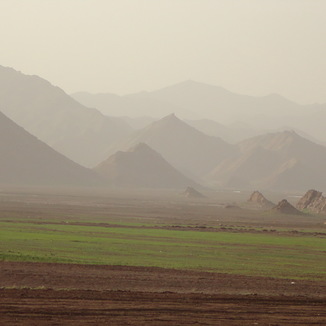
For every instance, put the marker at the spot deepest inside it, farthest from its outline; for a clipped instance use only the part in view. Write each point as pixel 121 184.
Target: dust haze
pixel 158 155
pixel 250 47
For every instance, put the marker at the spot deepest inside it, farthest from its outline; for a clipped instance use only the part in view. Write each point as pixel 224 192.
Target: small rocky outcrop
pixel 191 192
pixel 258 199
pixel 286 208
pixel 313 201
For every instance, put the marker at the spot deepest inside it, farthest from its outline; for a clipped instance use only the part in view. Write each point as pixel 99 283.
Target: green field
pixel 275 255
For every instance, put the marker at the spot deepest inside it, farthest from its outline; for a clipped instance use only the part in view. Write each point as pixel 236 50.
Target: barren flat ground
pixel 114 259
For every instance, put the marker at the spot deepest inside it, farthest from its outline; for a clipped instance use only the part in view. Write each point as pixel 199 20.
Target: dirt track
pixel 59 294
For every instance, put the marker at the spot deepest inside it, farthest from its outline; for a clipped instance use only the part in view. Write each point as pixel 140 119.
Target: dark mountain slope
pixel 25 160
pixel 46 111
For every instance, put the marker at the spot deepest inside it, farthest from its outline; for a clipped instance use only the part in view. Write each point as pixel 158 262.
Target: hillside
pixel 25 160
pixel 141 167
pixel 279 161
pixel 232 133
pixel 46 111
pixel 183 146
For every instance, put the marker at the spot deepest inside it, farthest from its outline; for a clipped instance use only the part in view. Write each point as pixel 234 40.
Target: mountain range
pixel 47 112
pixel 168 152
pixel 278 161
pixel 189 150
pixel 191 100
pixel 199 101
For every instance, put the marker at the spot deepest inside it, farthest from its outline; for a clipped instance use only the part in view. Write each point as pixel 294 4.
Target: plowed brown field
pixel 64 294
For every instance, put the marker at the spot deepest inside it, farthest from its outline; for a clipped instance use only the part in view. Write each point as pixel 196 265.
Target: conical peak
pixel 170 120
pixel 259 199
pixel 283 203
pixel 256 196
pixel 171 117
pixel 310 199
pixel 285 207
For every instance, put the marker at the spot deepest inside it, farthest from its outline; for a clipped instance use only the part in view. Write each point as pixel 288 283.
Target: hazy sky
pixel 254 47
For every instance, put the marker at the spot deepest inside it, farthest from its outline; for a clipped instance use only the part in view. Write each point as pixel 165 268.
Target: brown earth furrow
pixel 41 307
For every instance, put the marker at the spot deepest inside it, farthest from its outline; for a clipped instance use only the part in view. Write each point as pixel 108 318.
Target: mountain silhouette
pixel 25 160
pixel 193 100
pixel 279 161
pixel 183 146
pixel 46 111
pixel 142 167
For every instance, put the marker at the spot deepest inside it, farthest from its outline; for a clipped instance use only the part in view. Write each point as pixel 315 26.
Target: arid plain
pixel 157 258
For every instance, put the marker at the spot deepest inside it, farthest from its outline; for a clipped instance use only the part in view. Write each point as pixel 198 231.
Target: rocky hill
pixel 313 201
pixel 257 199
pixel 286 208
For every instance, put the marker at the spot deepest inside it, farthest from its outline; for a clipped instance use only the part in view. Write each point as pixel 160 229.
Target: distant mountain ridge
pixel 197 101
pixel 214 101
pixel 279 161
pixel 193 100
pixel 184 147
pixel 46 111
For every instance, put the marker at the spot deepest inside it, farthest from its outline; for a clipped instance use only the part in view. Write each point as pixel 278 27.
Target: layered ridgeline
pixel 46 111
pixel 193 100
pixel 232 133
pixel 25 160
pixel 184 147
pixel 141 167
pixel 133 106
pixel 279 161
pixel 190 99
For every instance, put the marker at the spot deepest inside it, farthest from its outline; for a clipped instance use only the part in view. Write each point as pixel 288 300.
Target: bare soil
pixel 67 294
